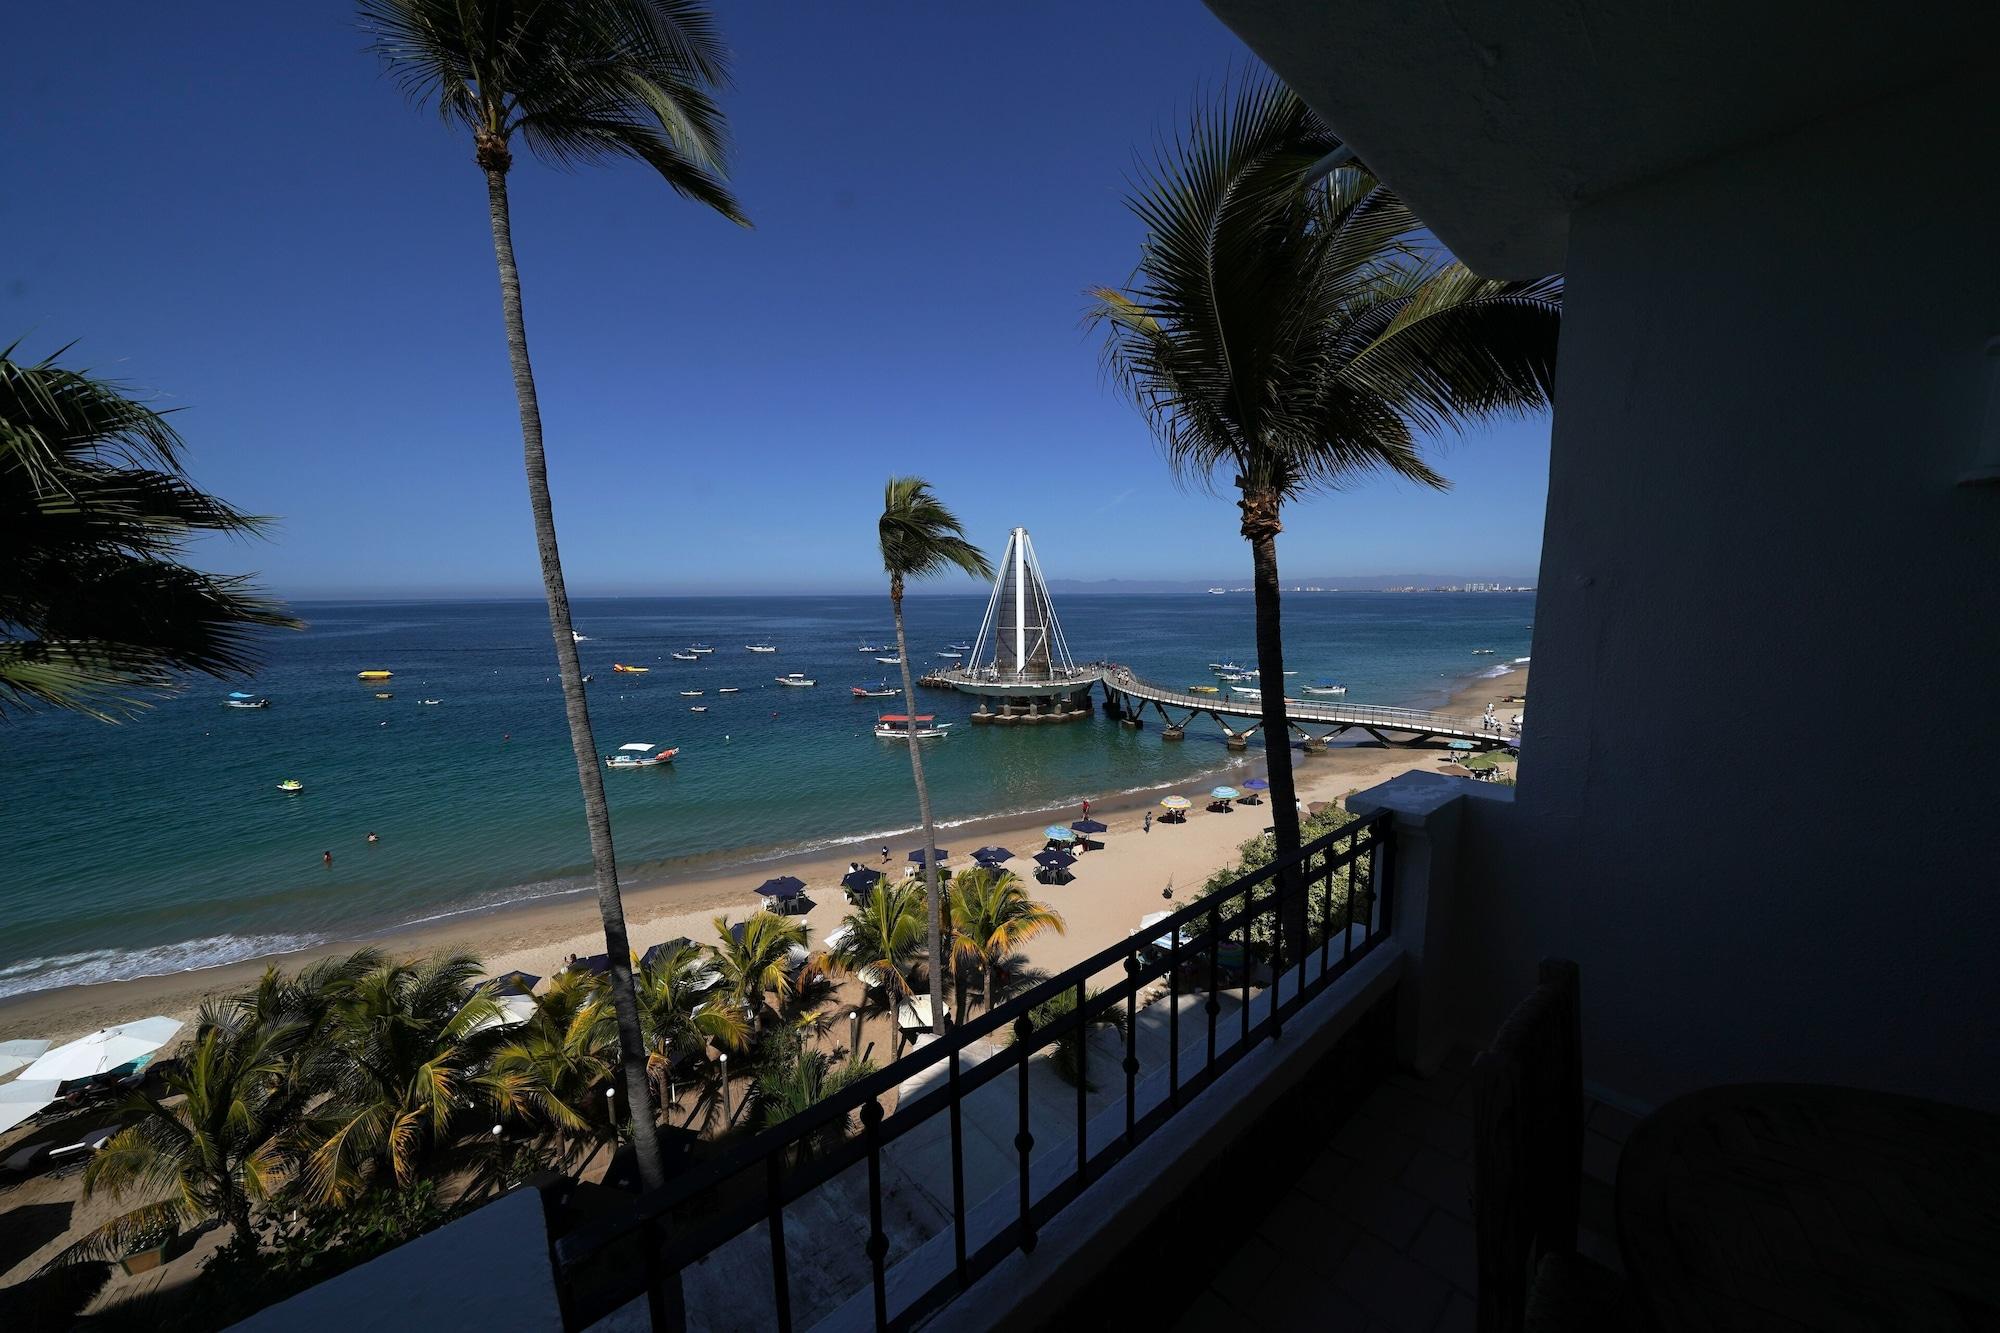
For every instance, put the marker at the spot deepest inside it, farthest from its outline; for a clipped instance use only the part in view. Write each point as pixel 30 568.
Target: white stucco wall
pixel 1761 798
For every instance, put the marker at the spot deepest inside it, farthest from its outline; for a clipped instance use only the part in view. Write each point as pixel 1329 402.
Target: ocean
pixel 162 843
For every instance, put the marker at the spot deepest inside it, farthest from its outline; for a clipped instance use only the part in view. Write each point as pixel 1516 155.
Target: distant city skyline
pixel 722 405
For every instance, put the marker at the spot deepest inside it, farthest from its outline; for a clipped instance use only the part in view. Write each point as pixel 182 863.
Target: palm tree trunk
pixel 992 978
pixel 597 818
pixel 932 899
pixel 1261 527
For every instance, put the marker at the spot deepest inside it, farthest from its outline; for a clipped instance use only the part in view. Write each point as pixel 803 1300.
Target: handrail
pixel 1121 680
pixel 1267 900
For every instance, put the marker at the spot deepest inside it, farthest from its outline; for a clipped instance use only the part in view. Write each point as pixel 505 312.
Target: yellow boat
pixel 637 671
pixel 373 675
pixel 1203 689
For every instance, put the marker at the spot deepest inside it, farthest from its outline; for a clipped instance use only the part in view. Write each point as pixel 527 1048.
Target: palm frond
pixel 920 538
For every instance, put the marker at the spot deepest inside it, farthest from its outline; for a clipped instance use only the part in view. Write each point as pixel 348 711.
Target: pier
pixel 1313 723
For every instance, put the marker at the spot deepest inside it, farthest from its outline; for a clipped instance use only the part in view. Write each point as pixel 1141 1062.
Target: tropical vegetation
pixel 920 538
pixel 578 83
pixel 98 608
pixel 992 916
pixel 1284 335
pixel 882 938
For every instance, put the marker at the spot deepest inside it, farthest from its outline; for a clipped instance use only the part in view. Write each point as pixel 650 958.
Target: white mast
pixel 1018 540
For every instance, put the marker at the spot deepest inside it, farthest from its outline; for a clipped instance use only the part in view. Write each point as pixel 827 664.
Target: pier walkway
pixel 1315 722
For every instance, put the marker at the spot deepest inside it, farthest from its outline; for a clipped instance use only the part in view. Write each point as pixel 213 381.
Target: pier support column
pixel 1173 733
pixel 1237 740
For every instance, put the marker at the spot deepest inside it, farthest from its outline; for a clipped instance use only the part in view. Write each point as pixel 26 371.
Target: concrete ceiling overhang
pixel 1496 119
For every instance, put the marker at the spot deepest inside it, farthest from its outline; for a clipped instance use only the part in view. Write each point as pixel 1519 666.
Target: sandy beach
pixel 1113 889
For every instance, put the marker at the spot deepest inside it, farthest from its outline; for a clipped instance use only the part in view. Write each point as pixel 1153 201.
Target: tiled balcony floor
pixel 1376 1234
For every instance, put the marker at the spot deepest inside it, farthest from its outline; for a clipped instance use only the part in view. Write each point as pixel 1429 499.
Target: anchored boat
pixel 700 649
pixel 630 670
pixel 291 784
pixel 1326 687
pixel 689 656
pixel 729 689
pixel 690 694
pixel 238 699
pixel 881 689
pixel 796 678
pixel 639 754
pixel 373 675
pixel 901 726
pixel 761 647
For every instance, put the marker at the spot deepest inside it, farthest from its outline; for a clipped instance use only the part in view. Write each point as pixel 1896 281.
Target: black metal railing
pixel 1275 938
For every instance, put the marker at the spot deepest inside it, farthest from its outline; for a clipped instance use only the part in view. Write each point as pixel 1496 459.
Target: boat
pixel 690 694
pixel 1203 689
pixel 729 689
pixel 881 689
pixel 238 699
pixel 587 678
pixel 630 670
pixel 1217 592
pixel 959 647
pixel 689 656
pixel 890 661
pixel 1482 652
pixel 700 648
pixel 430 701
pixel 1236 677
pixel 383 694
pixel 796 678
pixel 901 726
pixel 578 636
pixel 639 754
pixel 1247 691
pixel 951 657
pixel 699 708
pixel 291 784
pixel 761 647
pixel 870 648
pixel 1226 666
pixel 1326 687
pixel 373 675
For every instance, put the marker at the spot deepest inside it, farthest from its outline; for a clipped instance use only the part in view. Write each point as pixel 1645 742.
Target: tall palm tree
pixel 756 957
pixel 94 512
pixel 215 1151
pixel 682 1005
pixel 584 81
pixel 883 937
pixel 921 538
pixel 556 1066
pixel 991 916
pixel 1291 336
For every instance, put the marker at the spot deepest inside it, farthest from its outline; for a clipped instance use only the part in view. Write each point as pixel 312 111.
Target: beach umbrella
pixel 1088 826
pixel 103 1050
pixel 22 1098
pixel 1055 860
pixel 514 1011
pixel 1058 833
pixel 598 964
pixel 663 949
pixel 1257 784
pixel 993 854
pixel 511 983
pixel 784 886
pixel 1463 745
pixel 918 856
pixel 1176 803
pixel 1224 793
pixel 860 881
pixel 15 1054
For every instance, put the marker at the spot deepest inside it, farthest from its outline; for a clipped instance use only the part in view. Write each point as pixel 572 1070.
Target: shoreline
pixel 535 935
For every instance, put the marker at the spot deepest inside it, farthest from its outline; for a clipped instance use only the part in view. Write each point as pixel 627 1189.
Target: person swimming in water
pixel 373 838
pixel 328 858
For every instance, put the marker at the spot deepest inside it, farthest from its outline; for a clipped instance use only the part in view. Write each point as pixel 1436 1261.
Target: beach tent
pixel 103 1050
pixel 1257 784
pixel 514 1011
pixel 17 1054
pixel 598 964
pixel 22 1098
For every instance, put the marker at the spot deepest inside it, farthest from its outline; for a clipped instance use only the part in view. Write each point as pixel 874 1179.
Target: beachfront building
pixel 1020 666
pixel 1755 806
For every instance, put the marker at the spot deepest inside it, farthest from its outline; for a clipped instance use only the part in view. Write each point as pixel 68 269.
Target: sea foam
pixel 99 965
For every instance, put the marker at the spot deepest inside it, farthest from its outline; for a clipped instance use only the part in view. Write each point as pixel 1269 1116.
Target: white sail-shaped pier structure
pixel 1020 664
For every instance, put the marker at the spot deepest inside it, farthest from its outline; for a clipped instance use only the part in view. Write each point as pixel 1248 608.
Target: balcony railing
pixel 1338 893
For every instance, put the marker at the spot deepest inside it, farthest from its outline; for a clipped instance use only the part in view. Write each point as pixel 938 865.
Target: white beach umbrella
pixel 107 1048
pixel 14 1054
pixel 22 1098
pixel 514 1011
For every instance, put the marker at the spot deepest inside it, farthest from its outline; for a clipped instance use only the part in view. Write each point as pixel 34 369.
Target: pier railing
pixel 1305 921
pixel 1122 681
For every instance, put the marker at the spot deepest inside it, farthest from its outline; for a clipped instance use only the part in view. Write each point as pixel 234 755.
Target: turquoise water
pixel 163 844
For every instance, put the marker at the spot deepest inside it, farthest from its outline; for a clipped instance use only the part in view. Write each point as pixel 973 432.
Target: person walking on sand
pixel 1086 807
pixel 1147 825
pixel 885 853
pixel 328 858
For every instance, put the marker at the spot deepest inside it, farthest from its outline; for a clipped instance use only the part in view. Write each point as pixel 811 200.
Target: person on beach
pixel 1147 825
pixel 1086 808
pixel 328 858
pixel 885 853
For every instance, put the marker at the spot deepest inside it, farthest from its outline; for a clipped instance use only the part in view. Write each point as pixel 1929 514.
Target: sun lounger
pixel 24 1159
pixel 87 1146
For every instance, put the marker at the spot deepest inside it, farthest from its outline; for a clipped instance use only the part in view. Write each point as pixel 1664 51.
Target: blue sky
pixel 228 207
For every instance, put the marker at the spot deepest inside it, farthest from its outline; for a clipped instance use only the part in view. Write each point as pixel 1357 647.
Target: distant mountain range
pixel 1342 583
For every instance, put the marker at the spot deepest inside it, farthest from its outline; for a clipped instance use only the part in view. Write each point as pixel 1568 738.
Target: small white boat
pixel 690 694
pixel 729 689
pixel 238 699
pixel 890 661
pixel 1326 687
pixel 1481 652
pixel 1226 666
pixel 902 727
pixel 689 656
pixel 699 708
pixel 959 647
pixel 639 754
pixel 1230 678
pixel 871 648
pixel 1247 691
pixel 796 678
pixel 577 636
pixel 951 657
pixel 291 784
pixel 701 649
pixel 430 701
pixel 1217 592
pixel 761 647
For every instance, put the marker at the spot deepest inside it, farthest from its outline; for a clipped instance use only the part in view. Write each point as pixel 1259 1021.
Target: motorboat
pixel 761 647
pixel 699 708
pixel 238 699
pixel 373 675
pixel 1482 652
pixel 951 657
pixel 1247 691
pixel 1233 677
pixel 796 678
pixel 383 694
pixel 1204 689
pixel 890 661
pixel 578 636
pixel 630 670
pixel 871 648
pixel 640 754
pixel 430 701
pixel 959 647
pixel 700 649
pixel 881 689
pixel 728 689
pixel 689 656
pixel 690 694
pixel 291 784
pixel 1227 666
pixel 902 727
pixel 587 678
pixel 1327 687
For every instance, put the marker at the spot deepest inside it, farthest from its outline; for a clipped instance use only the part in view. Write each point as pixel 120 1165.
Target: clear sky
pixel 229 207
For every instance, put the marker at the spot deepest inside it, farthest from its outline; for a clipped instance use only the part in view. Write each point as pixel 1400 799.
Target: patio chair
pixel 1527 1171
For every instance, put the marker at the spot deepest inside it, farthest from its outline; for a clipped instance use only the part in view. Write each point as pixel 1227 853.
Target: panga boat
pixel 959 647
pixel 1236 676
pixel 901 726
pixel 699 708
pixel 238 699
pixel 1224 666
pixel 689 656
pixel 700 648
pixel 373 675
pixel 1247 691
pixel 951 656
pixel 881 689
pixel 635 671
pixel 729 689
pixel 1326 687
pixel 638 754
pixel 291 784
pixel 761 647
pixel 1203 689
pixel 1480 652
pixel 430 701
pixel 796 678
pixel 690 694
pixel 383 694
pixel 870 648
pixel 890 661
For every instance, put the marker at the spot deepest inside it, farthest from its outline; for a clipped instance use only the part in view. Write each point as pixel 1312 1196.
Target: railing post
pixel 878 1239
pixel 1024 1142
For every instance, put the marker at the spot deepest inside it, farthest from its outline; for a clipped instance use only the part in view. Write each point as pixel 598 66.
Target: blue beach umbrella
pixel 860 881
pixel 598 964
pixel 1055 860
pixel 1088 826
pixel 784 886
pixel 1224 793
pixel 1059 834
pixel 994 855
pixel 511 983
pixel 1257 784
pixel 918 856
pixel 653 956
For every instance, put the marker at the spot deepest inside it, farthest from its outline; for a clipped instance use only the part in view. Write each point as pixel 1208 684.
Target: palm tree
pixel 216 1151
pixel 585 81
pixel 683 1011
pixel 407 1047
pixel 921 538
pixel 991 916
pixel 883 936
pixel 756 957
pixel 1293 337
pixel 557 1065
pixel 94 512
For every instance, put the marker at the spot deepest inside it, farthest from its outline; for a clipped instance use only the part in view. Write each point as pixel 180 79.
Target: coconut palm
pixel 1284 337
pixel 215 1152
pixel 585 81
pixel 95 510
pixel 555 1068
pixel 882 937
pixel 756 957
pixel 991 916
pixel 407 1047
pixel 920 539
pixel 683 1008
